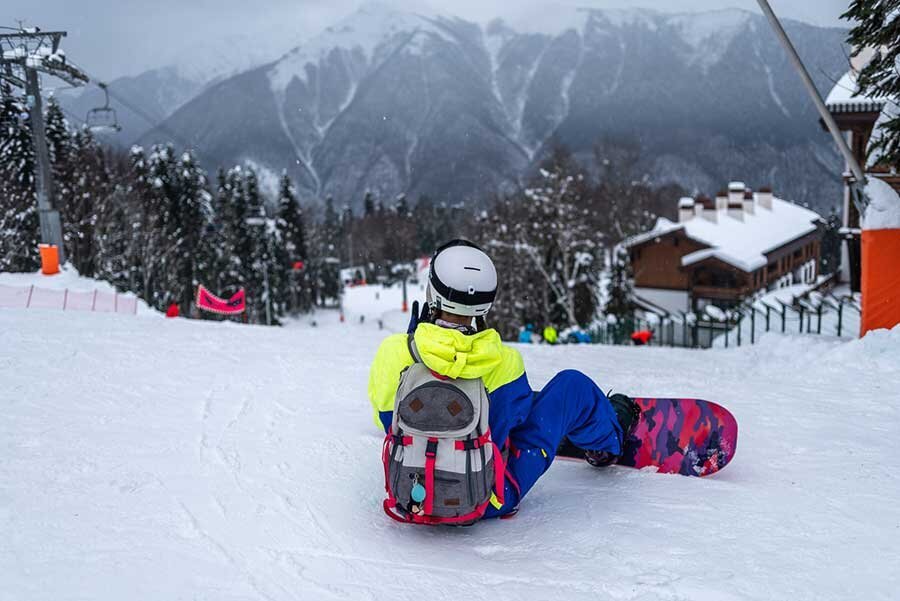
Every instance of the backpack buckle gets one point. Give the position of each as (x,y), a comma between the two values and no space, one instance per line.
(431,448)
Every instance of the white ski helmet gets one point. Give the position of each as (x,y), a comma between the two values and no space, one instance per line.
(462,280)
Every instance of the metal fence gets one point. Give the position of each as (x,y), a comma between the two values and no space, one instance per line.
(814,313)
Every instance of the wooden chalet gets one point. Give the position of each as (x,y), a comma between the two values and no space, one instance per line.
(725,249)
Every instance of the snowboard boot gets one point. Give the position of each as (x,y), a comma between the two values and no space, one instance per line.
(627,412)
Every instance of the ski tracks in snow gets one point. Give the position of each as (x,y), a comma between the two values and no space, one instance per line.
(236,463)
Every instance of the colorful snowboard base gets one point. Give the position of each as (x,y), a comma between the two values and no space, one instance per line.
(690,437)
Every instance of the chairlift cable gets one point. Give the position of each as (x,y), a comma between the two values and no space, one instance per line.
(138,111)
(856,187)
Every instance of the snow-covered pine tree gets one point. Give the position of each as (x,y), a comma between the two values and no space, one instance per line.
(59,139)
(876,24)
(349,248)
(428,234)
(620,288)
(19,223)
(116,235)
(161,242)
(190,211)
(331,226)
(402,206)
(368,205)
(520,298)
(216,244)
(549,230)
(324,275)
(86,185)
(831,243)
(237,247)
(293,290)
(64,163)
(81,182)
(400,246)
(260,264)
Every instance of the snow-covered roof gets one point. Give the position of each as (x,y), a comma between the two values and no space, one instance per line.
(843,97)
(739,242)
(883,211)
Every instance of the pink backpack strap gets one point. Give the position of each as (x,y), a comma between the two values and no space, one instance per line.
(430,456)
(499,473)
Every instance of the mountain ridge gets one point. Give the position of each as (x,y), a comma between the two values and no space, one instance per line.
(428,104)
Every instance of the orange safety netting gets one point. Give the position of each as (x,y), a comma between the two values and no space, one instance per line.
(880,279)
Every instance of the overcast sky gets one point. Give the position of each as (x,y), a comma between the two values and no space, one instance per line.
(110,38)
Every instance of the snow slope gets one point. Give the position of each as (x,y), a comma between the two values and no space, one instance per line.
(149,459)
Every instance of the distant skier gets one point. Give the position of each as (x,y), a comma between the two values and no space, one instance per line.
(551,336)
(448,459)
(641,337)
(526,336)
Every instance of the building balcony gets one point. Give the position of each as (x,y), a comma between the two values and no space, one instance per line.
(721,293)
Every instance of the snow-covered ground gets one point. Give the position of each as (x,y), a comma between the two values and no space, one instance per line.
(149,459)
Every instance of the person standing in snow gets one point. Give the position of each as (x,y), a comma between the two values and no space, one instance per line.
(526,336)
(451,339)
(551,336)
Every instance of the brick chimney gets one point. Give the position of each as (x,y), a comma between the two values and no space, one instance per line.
(685,209)
(764,198)
(749,203)
(736,193)
(736,209)
(706,207)
(722,199)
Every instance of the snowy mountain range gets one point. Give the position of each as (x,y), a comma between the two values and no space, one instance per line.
(402,102)
(145,100)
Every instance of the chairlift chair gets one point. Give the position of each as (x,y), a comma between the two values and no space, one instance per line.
(103,119)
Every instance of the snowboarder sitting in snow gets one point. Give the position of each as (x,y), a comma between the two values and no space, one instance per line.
(466,436)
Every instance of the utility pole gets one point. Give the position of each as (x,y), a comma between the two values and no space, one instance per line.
(23,55)
(51,226)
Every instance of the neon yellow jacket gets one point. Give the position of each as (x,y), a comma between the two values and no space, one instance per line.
(550,335)
(454,354)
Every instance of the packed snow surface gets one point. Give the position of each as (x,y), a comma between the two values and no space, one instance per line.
(149,459)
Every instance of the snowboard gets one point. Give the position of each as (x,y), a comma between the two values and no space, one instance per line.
(690,437)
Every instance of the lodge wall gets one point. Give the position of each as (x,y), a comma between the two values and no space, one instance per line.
(657,263)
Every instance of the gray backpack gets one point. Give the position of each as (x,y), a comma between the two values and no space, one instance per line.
(440,463)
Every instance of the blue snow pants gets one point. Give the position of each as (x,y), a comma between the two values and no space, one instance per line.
(570,405)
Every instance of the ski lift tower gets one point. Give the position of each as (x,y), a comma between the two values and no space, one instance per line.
(24,55)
